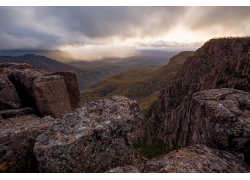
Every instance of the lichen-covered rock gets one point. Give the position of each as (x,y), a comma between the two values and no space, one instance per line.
(16,112)
(192,159)
(8,95)
(219,118)
(17,140)
(51,96)
(71,83)
(95,137)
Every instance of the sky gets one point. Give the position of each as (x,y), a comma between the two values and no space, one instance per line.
(94,32)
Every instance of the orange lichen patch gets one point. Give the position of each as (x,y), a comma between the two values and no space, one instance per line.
(199,170)
(4,166)
(171,170)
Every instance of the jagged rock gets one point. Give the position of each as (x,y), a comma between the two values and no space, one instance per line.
(71,85)
(192,159)
(219,118)
(8,96)
(218,63)
(16,112)
(51,96)
(1,117)
(23,82)
(95,137)
(16,66)
(17,140)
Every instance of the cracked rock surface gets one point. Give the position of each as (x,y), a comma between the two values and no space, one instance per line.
(95,137)
(192,159)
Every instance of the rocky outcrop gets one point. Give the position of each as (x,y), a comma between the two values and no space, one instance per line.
(18,83)
(218,118)
(51,96)
(8,95)
(17,140)
(218,63)
(71,85)
(16,112)
(95,137)
(192,159)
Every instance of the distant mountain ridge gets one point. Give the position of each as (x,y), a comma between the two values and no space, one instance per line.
(91,72)
(39,62)
(53,54)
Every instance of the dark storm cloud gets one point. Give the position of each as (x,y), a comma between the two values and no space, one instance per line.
(229,18)
(47,27)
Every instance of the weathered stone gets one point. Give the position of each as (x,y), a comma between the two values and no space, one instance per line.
(17,140)
(192,159)
(219,118)
(51,96)
(16,66)
(71,83)
(8,95)
(23,82)
(16,112)
(95,137)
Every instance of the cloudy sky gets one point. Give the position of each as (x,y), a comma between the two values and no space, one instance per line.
(98,30)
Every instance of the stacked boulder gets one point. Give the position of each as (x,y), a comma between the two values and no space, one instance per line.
(22,86)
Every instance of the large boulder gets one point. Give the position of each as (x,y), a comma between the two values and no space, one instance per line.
(71,83)
(17,140)
(192,159)
(51,96)
(23,82)
(218,118)
(8,95)
(95,137)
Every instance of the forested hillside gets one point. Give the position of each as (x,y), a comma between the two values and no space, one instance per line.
(141,84)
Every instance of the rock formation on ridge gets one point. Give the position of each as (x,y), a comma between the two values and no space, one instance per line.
(22,86)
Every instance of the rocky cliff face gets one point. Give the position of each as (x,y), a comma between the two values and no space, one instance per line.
(217,118)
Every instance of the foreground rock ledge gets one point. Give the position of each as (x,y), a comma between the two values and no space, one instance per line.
(17,140)
(96,137)
(192,159)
